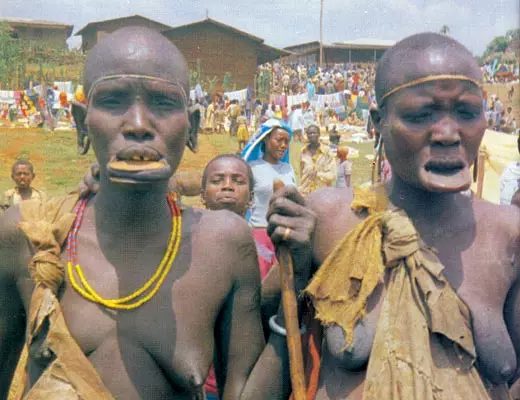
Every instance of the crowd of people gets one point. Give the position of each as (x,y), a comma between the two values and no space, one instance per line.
(407,287)
(38,105)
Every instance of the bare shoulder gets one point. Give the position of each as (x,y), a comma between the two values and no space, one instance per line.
(224,226)
(226,236)
(334,219)
(331,203)
(504,218)
(14,247)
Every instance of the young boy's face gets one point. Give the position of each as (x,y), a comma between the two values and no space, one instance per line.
(22,176)
(227,186)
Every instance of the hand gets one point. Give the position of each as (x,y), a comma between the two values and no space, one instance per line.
(287,210)
(90,182)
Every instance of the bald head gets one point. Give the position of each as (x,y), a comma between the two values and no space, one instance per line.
(422,55)
(136,50)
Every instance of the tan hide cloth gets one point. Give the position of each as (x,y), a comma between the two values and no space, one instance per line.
(423,347)
(69,375)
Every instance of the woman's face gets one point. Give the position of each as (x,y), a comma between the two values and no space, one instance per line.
(432,133)
(276,144)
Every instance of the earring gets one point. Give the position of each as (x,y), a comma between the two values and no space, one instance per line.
(376,165)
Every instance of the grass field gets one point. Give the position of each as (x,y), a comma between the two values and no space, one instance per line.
(59,168)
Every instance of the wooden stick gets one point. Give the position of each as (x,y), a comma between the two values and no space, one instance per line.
(290,309)
(481,170)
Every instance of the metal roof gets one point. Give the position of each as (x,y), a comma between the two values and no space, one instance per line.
(28,21)
(296,46)
(220,25)
(38,22)
(366,43)
(95,23)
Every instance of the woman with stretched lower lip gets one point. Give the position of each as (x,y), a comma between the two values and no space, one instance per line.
(268,155)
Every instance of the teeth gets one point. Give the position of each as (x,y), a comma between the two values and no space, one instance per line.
(146,158)
(135,158)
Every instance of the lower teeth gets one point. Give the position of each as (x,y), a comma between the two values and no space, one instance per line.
(135,165)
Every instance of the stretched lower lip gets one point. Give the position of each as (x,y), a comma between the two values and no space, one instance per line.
(444,170)
(149,172)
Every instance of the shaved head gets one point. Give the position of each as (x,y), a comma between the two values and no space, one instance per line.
(136,50)
(422,55)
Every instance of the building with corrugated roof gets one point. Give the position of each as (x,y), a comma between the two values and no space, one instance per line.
(354,51)
(54,34)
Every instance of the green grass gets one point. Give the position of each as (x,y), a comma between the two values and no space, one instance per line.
(59,168)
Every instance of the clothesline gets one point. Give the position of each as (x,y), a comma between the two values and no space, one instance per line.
(240,95)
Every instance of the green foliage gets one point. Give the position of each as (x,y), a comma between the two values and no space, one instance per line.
(513,34)
(263,84)
(499,44)
(24,60)
(195,75)
(227,82)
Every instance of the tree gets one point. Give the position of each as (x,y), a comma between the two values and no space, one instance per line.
(9,55)
(513,34)
(498,45)
(227,82)
(445,30)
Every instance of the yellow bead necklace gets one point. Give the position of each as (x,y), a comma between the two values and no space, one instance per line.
(128,302)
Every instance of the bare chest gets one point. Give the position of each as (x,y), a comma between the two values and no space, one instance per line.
(479,266)
(167,342)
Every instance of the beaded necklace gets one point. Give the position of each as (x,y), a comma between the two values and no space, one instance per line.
(131,301)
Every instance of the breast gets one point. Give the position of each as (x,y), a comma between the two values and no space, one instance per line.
(495,351)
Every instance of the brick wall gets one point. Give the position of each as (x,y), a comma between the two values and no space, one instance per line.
(219,51)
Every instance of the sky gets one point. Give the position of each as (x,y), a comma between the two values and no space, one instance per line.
(286,22)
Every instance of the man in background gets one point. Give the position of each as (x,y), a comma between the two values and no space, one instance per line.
(22,174)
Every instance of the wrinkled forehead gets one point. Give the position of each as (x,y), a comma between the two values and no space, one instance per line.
(135,59)
(227,166)
(121,82)
(412,67)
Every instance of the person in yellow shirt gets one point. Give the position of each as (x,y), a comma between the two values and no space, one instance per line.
(210,117)
(22,174)
(317,164)
(242,131)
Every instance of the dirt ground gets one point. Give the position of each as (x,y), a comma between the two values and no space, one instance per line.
(501,91)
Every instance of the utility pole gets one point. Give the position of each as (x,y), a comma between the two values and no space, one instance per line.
(321,33)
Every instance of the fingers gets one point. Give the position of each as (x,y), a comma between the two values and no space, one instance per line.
(289,192)
(285,206)
(287,235)
(290,229)
(90,183)
(94,170)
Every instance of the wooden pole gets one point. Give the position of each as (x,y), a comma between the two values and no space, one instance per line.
(481,170)
(321,33)
(290,309)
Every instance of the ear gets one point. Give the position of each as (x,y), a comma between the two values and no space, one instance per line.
(375,114)
(194,116)
(79,113)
